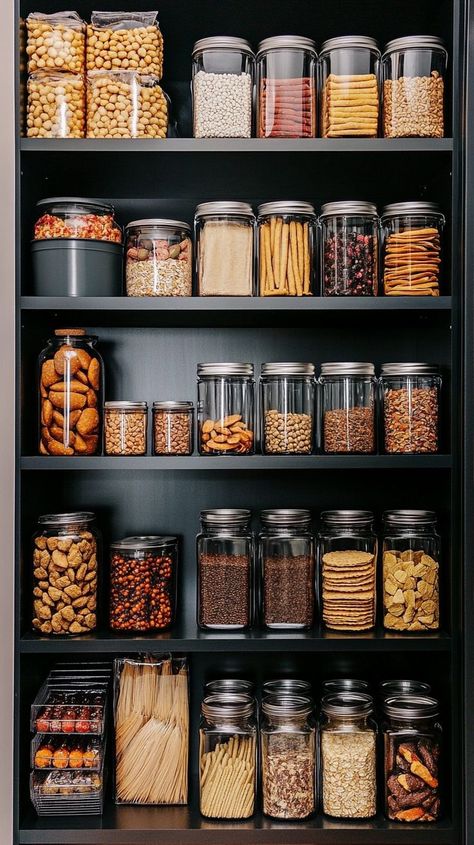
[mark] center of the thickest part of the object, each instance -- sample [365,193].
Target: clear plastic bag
[124,104]
[125,41]
[56,106]
[56,42]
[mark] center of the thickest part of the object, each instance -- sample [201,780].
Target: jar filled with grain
[410,394]
[158,258]
[348,756]
[402,686]
[226,396]
[349,248]
[173,428]
[348,407]
[224,236]
[413,70]
[349,87]
[223,72]
[286,87]
[287,408]
[286,248]
[411,251]
[125,428]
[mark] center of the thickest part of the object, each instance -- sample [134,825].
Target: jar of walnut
[56,42]
[125,428]
[65,569]
[125,105]
[56,106]
[173,428]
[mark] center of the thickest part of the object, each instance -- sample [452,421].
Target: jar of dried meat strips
[411,235]
[410,397]
[286,87]
[349,93]
[286,252]
[349,248]
[413,87]
[224,234]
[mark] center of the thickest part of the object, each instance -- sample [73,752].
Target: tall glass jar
[410,398]
[411,236]
[413,87]
[224,235]
[348,407]
[227,756]
[287,408]
[225,569]
[348,756]
[349,87]
[223,73]
[286,87]
[287,245]
[337,685]
[65,543]
[347,547]
[395,688]
[226,397]
[288,757]
[70,386]
[412,758]
[158,258]
[286,557]
[411,555]
[349,248]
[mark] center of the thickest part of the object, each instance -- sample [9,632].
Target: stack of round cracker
[411,262]
[348,590]
[350,106]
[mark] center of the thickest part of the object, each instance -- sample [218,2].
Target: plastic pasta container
[349,80]
[223,73]
[286,87]
[224,233]
[158,258]
[287,243]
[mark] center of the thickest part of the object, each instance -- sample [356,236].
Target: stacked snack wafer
[228,779]
[287,108]
[350,106]
[285,266]
[412,262]
[348,590]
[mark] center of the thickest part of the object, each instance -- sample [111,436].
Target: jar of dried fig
[125,428]
[173,428]
[348,407]
[410,398]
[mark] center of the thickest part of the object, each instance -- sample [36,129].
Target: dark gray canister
[77,267]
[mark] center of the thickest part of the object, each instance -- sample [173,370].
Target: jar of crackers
[349,87]
[411,233]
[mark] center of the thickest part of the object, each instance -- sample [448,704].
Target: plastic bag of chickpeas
[56,42]
[125,104]
[129,41]
[56,105]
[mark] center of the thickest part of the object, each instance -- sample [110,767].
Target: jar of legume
[223,72]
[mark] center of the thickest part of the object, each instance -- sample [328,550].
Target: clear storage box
[56,105]
[125,41]
[125,104]
[56,42]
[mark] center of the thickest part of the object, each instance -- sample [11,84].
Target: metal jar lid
[232,685]
[347,517]
[351,208]
[288,368]
[408,209]
[222,42]
[409,517]
[286,42]
[394,688]
[285,207]
[347,368]
[347,704]
[92,205]
[337,685]
[411,707]
[280,686]
[172,405]
[224,369]
[157,223]
[280,705]
[350,42]
[417,42]
[125,406]
[226,516]
[66,518]
[227,705]
[409,369]
[223,207]
[143,543]
[285,516]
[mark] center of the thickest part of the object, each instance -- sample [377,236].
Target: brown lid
[69,332]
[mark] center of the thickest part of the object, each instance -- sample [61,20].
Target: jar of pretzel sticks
[286,237]
[349,80]
[411,234]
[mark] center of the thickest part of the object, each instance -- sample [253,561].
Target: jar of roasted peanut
[125,41]
[226,422]
[410,397]
[288,397]
[125,428]
[173,424]
[348,407]
[413,70]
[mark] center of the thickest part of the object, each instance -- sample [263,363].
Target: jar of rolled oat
[125,428]
[173,428]
[413,71]
[158,258]
[348,407]
[410,397]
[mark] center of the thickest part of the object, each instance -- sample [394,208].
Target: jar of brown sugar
[173,428]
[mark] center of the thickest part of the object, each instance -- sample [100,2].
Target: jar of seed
[125,428]
[173,428]
[348,407]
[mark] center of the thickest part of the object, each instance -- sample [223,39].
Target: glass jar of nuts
[348,407]
[173,428]
[125,428]
[287,404]
[226,423]
[410,395]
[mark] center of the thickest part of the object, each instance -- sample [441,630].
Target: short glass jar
[226,419]
[225,569]
[410,562]
[412,758]
[395,688]
[125,428]
[224,234]
[347,551]
[76,218]
[287,246]
[286,558]
[286,686]
[143,583]
[348,392]
[410,394]
[158,258]
[286,87]
[413,71]
[349,248]
[287,408]
[223,74]
[349,87]
[337,685]
[173,428]
[65,542]
[411,237]
[348,756]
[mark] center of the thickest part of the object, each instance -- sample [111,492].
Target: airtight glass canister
[158,258]
[286,248]
[349,80]
[226,394]
[411,237]
[348,407]
[287,407]
[224,234]
[286,87]
[349,248]
[410,395]
[223,72]
[413,70]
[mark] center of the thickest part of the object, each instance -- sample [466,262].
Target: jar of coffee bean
[173,428]
[349,248]
[348,407]
[287,391]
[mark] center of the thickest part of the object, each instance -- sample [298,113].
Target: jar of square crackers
[413,87]
[349,93]
[411,237]
[411,553]
[410,398]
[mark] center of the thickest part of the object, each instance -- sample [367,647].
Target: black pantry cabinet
[151,350]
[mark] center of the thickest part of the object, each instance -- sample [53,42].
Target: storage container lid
[409,517]
[345,685]
[172,405]
[147,541]
[76,204]
[234,685]
[402,209]
[158,223]
[411,707]
[409,369]
[125,406]
[347,368]
[70,332]
[225,369]
[347,704]
[286,42]
[347,517]
[350,42]
[222,208]
[285,516]
[285,207]
[350,208]
[223,42]
[227,705]
[280,704]
[286,685]
[288,368]
[420,42]
[392,689]
[226,516]
[66,518]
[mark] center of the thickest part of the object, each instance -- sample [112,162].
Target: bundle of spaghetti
[227,779]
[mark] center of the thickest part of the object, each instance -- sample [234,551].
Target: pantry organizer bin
[347,397]
[286,248]
[286,87]
[224,237]
[158,258]
[287,408]
[411,238]
[349,248]
[225,411]
[349,87]
[410,394]
[222,87]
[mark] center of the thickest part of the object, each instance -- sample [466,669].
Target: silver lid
[285,207]
[409,369]
[226,516]
[410,42]
[223,42]
[227,705]
[221,207]
[288,368]
[411,707]
[233,685]
[172,405]
[278,686]
[285,516]
[349,208]
[409,517]
[392,689]
[225,369]
[126,406]
[344,685]
[158,222]
[347,368]
[402,209]
[286,42]
[347,704]
[347,517]
[66,518]
[147,541]
[93,204]
[280,704]
[349,42]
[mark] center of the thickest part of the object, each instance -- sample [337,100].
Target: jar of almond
[125,428]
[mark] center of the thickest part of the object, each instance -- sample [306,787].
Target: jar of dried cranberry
[143,572]
[349,248]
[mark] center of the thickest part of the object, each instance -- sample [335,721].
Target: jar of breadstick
[411,233]
[349,87]
[286,87]
[227,756]
[286,239]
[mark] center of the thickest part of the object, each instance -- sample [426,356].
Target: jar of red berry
[349,248]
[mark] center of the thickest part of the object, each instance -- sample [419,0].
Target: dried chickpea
[56,106]
[56,42]
[140,48]
[125,105]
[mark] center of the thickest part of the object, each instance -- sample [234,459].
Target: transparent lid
[394,688]
[172,405]
[144,543]
[288,368]
[66,518]
[74,205]
[286,685]
[409,517]
[288,42]
[285,516]
[344,685]
[417,42]
[227,705]
[157,223]
[409,369]
[347,704]
[411,707]
[226,516]
[223,207]
[125,406]
[347,517]
[347,368]
[349,42]
[223,42]
[408,209]
[285,207]
[348,207]
[225,369]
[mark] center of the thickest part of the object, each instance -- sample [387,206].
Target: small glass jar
[349,248]
[173,424]
[286,686]
[65,542]
[226,397]
[224,234]
[143,583]
[348,407]
[223,74]
[75,217]
[287,244]
[413,71]
[395,688]
[225,569]
[287,408]
[411,555]
[411,237]
[70,387]
[347,547]
[158,258]
[337,685]
[349,87]
[288,757]
[412,758]
[227,757]
[286,87]
[286,556]
[348,756]
[410,396]
[125,428]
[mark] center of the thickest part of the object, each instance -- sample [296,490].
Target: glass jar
[224,234]
[286,686]
[56,105]
[413,70]
[223,73]
[286,87]
[125,104]
[337,685]
[125,428]
[227,757]
[286,556]
[287,243]
[158,258]
[348,407]
[226,395]
[411,237]
[287,408]
[70,386]
[173,424]
[347,548]
[412,758]
[349,87]
[76,217]
[348,756]
[411,555]
[61,543]
[288,757]
[349,248]
[56,42]
[410,398]
[395,688]
[225,569]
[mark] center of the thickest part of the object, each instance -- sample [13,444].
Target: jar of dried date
[349,248]
[173,428]
[410,396]
[226,397]
[125,428]
[348,407]
[412,758]
[143,581]
[287,408]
